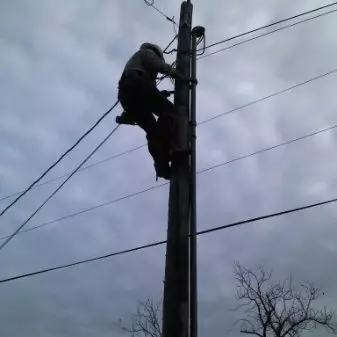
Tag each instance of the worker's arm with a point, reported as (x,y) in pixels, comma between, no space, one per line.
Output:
(152,61)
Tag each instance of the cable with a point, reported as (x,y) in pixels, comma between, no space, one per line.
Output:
(272,24)
(267,33)
(83,261)
(202,39)
(151,4)
(159,243)
(267,149)
(161,185)
(58,160)
(65,181)
(128,196)
(269,96)
(209,119)
(169,45)
(80,170)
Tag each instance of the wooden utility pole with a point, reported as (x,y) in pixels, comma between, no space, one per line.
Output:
(176,286)
(197,33)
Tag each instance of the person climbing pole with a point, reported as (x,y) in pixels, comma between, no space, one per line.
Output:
(140,99)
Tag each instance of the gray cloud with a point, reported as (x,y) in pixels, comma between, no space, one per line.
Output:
(60,63)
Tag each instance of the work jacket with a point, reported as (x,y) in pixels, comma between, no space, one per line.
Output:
(147,61)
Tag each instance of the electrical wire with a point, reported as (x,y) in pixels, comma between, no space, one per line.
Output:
(333,71)
(151,4)
(59,188)
(267,33)
(202,39)
(159,243)
(80,170)
(58,160)
(272,24)
(169,45)
(213,167)
(128,196)
(297,85)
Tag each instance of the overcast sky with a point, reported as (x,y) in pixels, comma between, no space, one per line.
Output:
(59,66)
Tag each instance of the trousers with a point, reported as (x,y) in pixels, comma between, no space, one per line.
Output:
(140,97)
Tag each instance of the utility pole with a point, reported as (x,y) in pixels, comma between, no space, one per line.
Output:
(176,285)
(197,33)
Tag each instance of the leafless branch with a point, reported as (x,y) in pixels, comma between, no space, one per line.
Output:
(278,308)
(146,322)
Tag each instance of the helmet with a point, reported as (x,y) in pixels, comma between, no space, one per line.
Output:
(153,47)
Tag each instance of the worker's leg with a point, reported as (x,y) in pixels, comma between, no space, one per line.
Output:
(155,145)
(167,119)
(138,103)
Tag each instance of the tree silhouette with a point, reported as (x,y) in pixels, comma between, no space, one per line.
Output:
(146,322)
(278,309)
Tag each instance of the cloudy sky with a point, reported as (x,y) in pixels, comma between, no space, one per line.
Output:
(59,66)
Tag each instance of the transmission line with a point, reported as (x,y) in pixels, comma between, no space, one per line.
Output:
(150,3)
(58,160)
(80,170)
(264,98)
(333,71)
(272,24)
(213,167)
(59,188)
(267,33)
(159,243)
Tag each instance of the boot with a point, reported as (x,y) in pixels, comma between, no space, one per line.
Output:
(159,155)
(125,118)
(163,169)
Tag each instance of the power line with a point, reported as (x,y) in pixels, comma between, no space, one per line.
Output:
(159,243)
(272,24)
(213,167)
(333,71)
(64,182)
(309,135)
(267,33)
(80,170)
(58,160)
(297,85)
(150,3)
(169,44)
(128,196)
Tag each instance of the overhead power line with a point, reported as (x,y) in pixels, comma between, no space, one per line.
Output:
(170,44)
(150,3)
(59,188)
(264,98)
(333,71)
(80,170)
(158,243)
(272,24)
(213,167)
(267,33)
(58,160)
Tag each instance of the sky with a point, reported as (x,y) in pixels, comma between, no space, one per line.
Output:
(60,62)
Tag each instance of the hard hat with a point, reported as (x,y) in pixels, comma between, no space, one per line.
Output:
(153,47)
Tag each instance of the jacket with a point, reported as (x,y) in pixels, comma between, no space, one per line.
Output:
(146,60)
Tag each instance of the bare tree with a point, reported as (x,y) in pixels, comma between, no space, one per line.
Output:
(278,309)
(146,322)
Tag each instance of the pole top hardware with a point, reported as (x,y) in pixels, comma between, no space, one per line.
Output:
(198,31)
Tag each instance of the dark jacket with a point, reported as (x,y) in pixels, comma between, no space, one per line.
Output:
(146,60)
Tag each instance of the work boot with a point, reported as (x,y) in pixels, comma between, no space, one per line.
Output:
(163,169)
(125,118)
